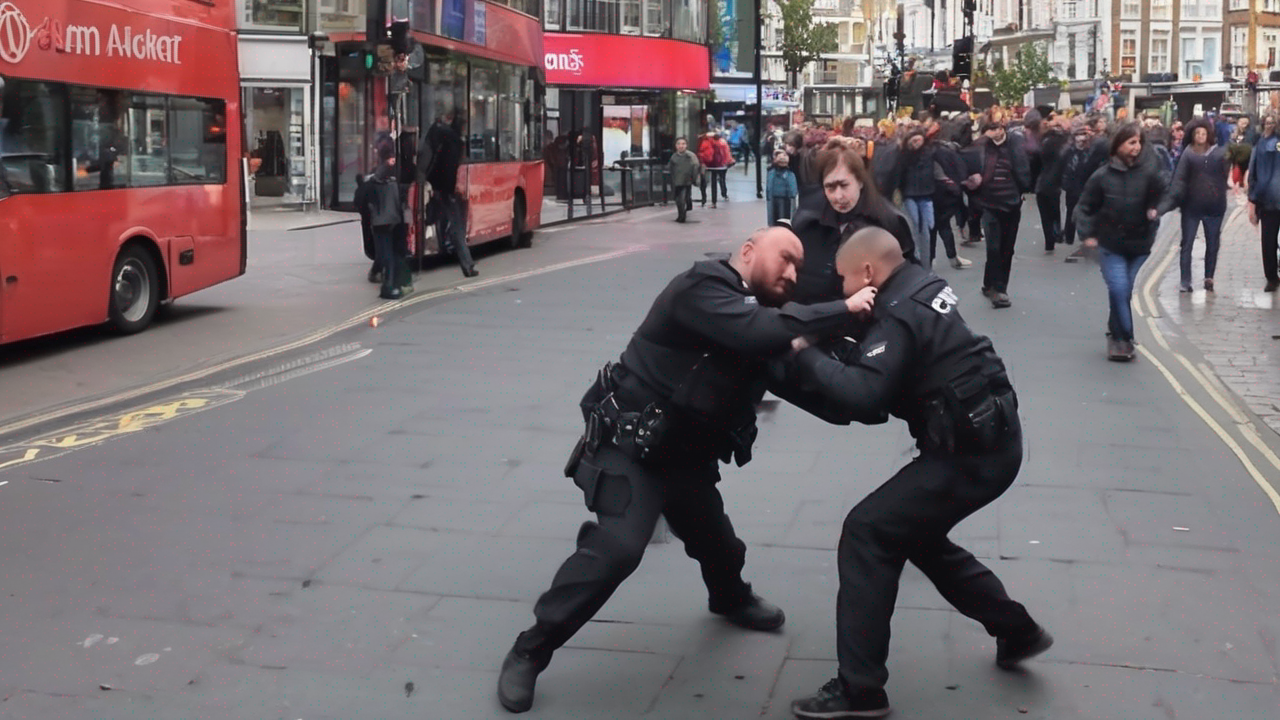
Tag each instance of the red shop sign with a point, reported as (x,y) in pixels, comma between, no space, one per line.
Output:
(623,61)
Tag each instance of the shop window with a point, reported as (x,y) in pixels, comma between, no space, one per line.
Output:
(33,137)
(553,14)
(198,151)
(511,131)
(534,93)
(99,143)
(277,14)
(482,136)
(597,15)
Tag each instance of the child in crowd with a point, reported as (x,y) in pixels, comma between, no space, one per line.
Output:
(781,190)
(685,170)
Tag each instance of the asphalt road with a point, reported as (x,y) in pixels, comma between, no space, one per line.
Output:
(360,527)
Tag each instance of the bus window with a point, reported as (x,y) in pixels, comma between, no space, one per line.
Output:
(33,137)
(148,141)
(511,136)
(482,141)
(198,150)
(97,139)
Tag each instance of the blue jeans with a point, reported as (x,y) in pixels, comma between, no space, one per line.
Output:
(1120,272)
(920,214)
(1212,234)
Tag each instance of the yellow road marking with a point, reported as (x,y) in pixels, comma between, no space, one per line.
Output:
(313,337)
(1213,424)
(1241,419)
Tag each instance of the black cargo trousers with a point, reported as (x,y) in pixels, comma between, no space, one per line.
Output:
(908,518)
(627,498)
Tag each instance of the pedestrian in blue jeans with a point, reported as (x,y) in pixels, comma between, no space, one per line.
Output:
(1117,214)
(917,183)
(1199,190)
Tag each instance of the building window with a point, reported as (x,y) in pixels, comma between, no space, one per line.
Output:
(1270,48)
(345,14)
(655,18)
(275,14)
(1159,53)
(1131,9)
(1191,60)
(689,20)
(1239,47)
(1212,60)
(1190,9)
(551,16)
(1161,9)
(1212,9)
(1070,10)
(1128,51)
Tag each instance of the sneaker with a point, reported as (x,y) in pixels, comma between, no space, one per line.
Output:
(375,277)
(958,262)
(1184,287)
(1048,251)
(1208,284)
(752,612)
(1128,349)
(986,292)
(393,294)
(1012,650)
(1115,350)
(1000,300)
(470,272)
(1272,285)
(406,289)
(833,700)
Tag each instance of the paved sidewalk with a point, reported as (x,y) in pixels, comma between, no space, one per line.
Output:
(1237,327)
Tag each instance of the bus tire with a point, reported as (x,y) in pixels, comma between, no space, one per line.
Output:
(135,290)
(520,235)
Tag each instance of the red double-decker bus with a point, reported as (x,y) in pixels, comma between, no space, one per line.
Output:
(120,177)
(479,62)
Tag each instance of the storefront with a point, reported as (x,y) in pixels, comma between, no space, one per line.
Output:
(276,77)
(615,106)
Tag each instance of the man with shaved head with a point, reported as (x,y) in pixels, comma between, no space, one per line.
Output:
(681,400)
(919,361)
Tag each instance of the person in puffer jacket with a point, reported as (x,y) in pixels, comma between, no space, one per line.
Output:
(1118,214)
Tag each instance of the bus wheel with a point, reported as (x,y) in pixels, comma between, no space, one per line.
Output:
(520,235)
(135,291)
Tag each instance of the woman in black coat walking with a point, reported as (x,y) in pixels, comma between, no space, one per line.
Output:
(849,199)
(1199,190)
(1117,213)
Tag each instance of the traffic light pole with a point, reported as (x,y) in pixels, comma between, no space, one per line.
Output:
(759,71)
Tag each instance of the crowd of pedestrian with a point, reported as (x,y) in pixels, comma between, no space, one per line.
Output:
(966,174)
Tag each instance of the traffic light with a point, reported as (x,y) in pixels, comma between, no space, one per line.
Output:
(962,58)
(400,37)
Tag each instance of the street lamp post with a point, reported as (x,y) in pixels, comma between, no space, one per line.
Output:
(759,71)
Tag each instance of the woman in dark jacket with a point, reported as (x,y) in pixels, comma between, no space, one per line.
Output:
(849,199)
(1118,212)
(1075,173)
(948,201)
(916,182)
(1199,190)
(1053,143)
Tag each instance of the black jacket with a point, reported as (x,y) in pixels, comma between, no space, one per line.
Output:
(1075,171)
(701,351)
(917,172)
(916,346)
(439,156)
(1199,183)
(886,167)
(363,206)
(818,226)
(1052,150)
(1114,205)
(384,199)
(948,194)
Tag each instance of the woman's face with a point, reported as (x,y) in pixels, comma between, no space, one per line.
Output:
(842,188)
(1200,136)
(1130,149)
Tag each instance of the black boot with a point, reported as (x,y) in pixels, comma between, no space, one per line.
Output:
(519,674)
(748,610)
(1012,650)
